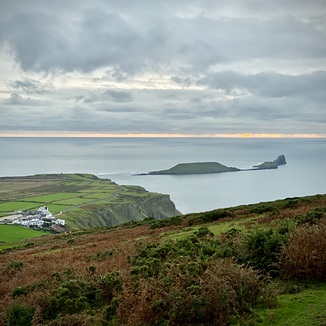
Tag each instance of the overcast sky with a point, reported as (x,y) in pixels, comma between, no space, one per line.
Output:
(163,67)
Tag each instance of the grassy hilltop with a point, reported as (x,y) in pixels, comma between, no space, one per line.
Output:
(261,264)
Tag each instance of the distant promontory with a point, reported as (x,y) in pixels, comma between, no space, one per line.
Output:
(215,167)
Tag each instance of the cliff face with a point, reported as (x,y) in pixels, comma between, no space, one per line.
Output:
(154,205)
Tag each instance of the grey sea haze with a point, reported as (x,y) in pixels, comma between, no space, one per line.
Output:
(119,159)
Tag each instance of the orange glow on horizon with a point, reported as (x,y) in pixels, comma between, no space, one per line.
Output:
(151,135)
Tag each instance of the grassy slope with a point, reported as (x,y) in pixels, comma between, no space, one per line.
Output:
(109,250)
(307,308)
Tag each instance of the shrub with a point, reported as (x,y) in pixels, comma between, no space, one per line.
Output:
(312,217)
(101,255)
(305,255)
(71,297)
(170,221)
(203,231)
(261,249)
(109,285)
(20,315)
(20,290)
(197,295)
(209,216)
(16,265)
(263,208)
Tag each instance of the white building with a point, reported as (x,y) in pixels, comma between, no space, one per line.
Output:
(59,222)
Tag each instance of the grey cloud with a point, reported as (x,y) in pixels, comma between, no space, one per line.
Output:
(124,109)
(108,95)
(118,96)
(117,74)
(106,34)
(184,81)
(270,84)
(16,99)
(29,86)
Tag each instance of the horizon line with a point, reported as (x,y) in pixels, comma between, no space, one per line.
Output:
(52,134)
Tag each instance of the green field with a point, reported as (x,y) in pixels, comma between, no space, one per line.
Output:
(56,208)
(96,195)
(73,201)
(15,233)
(52,197)
(9,207)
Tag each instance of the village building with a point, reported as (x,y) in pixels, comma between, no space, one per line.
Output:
(34,218)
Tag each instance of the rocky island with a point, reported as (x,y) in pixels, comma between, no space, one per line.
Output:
(271,164)
(215,167)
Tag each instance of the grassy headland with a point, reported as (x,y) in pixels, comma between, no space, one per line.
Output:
(83,200)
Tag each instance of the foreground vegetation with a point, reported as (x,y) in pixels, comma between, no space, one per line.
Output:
(261,264)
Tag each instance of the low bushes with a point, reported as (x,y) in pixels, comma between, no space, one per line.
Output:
(20,315)
(305,255)
(192,293)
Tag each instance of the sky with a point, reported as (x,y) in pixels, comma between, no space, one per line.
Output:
(204,67)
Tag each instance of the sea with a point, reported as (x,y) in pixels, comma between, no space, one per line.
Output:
(123,159)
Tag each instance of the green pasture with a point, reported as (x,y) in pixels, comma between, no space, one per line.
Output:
(72,201)
(56,208)
(53,197)
(99,195)
(17,205)
(15,233)
(307,308)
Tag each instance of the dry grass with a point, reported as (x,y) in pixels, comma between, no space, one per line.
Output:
(305,255)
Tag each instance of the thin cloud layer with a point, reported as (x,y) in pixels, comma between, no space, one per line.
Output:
(191,67)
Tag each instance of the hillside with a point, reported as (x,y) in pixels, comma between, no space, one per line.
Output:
(251,264)
(83,200)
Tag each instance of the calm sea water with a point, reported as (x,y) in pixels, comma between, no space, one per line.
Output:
(120,158)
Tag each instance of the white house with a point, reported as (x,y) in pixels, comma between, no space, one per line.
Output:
(59,222)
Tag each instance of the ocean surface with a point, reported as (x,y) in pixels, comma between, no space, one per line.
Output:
(119,159)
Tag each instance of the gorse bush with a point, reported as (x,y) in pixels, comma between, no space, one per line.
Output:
(101,255)
(312,217)
(187,283)
(209,216)
(20,315)
(16,265)
(75,295)
(192,293)
(262,247)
